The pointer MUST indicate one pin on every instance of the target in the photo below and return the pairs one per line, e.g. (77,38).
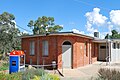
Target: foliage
(30,73)
(13,76)
(24,34)
(47,77)
(108,74)
(115,35)
(38,74)
(4,66)
(8,33)
(40,25)
(36,77)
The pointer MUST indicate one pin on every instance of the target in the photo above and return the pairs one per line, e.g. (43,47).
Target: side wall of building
(38,58)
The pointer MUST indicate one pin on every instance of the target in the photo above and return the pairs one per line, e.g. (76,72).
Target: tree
(40,25)
(115,35)
(114,32)
(8,33)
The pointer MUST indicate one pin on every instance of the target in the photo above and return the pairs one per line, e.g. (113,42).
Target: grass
(4,66)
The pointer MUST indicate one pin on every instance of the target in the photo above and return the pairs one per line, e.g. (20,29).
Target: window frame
(45,48)
(32,48)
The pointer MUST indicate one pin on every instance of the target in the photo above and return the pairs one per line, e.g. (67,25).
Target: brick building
(68,49)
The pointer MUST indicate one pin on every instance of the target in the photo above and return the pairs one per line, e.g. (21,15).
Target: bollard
(54,65)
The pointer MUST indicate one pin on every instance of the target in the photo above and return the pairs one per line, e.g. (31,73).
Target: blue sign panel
(14,64)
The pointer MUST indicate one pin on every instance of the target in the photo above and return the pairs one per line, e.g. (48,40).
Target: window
(32,48)
(102,47)
(114,45)
(118,45)
(85,48)
(45,48)
(21,60)
(66,43)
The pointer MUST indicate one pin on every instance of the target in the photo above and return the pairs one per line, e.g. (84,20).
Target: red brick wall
(52,49)
(79,58)
(94,52)
(60,40)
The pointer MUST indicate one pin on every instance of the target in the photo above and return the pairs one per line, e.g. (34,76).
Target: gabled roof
(59,33)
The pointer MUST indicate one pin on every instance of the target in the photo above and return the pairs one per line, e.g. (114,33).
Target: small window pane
(45,48)
(32,48)
(114,45)
(118,45)
(102,47)
(66,43)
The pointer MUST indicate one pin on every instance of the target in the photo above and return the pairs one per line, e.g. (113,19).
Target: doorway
(67,54)
(102,52)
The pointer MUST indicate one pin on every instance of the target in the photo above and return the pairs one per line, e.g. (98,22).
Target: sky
(80,16)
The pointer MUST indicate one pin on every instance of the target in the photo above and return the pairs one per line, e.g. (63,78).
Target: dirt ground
(86,72)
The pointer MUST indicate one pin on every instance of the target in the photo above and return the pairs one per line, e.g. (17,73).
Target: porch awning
(101,40)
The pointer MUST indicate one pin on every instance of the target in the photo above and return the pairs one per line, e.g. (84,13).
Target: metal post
(54,65)
(62,67)
(116,51)
(38,59)
(109,52)
(43,62)
(24,59)
(106,54)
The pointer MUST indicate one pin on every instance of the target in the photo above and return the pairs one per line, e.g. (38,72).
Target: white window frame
(32,47)
(45,48)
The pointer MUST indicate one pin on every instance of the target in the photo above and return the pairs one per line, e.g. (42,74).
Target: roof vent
(96,34)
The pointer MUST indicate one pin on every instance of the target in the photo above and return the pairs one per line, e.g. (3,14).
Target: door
(66,56)
(102,52)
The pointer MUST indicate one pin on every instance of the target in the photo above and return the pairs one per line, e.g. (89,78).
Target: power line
(91,4)
(23,28)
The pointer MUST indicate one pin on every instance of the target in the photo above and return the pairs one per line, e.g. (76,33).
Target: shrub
(2,76)
(39,72)
(4,66)
(13,76)
(36,77)
(30,73)
(107,74)
(49,77)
